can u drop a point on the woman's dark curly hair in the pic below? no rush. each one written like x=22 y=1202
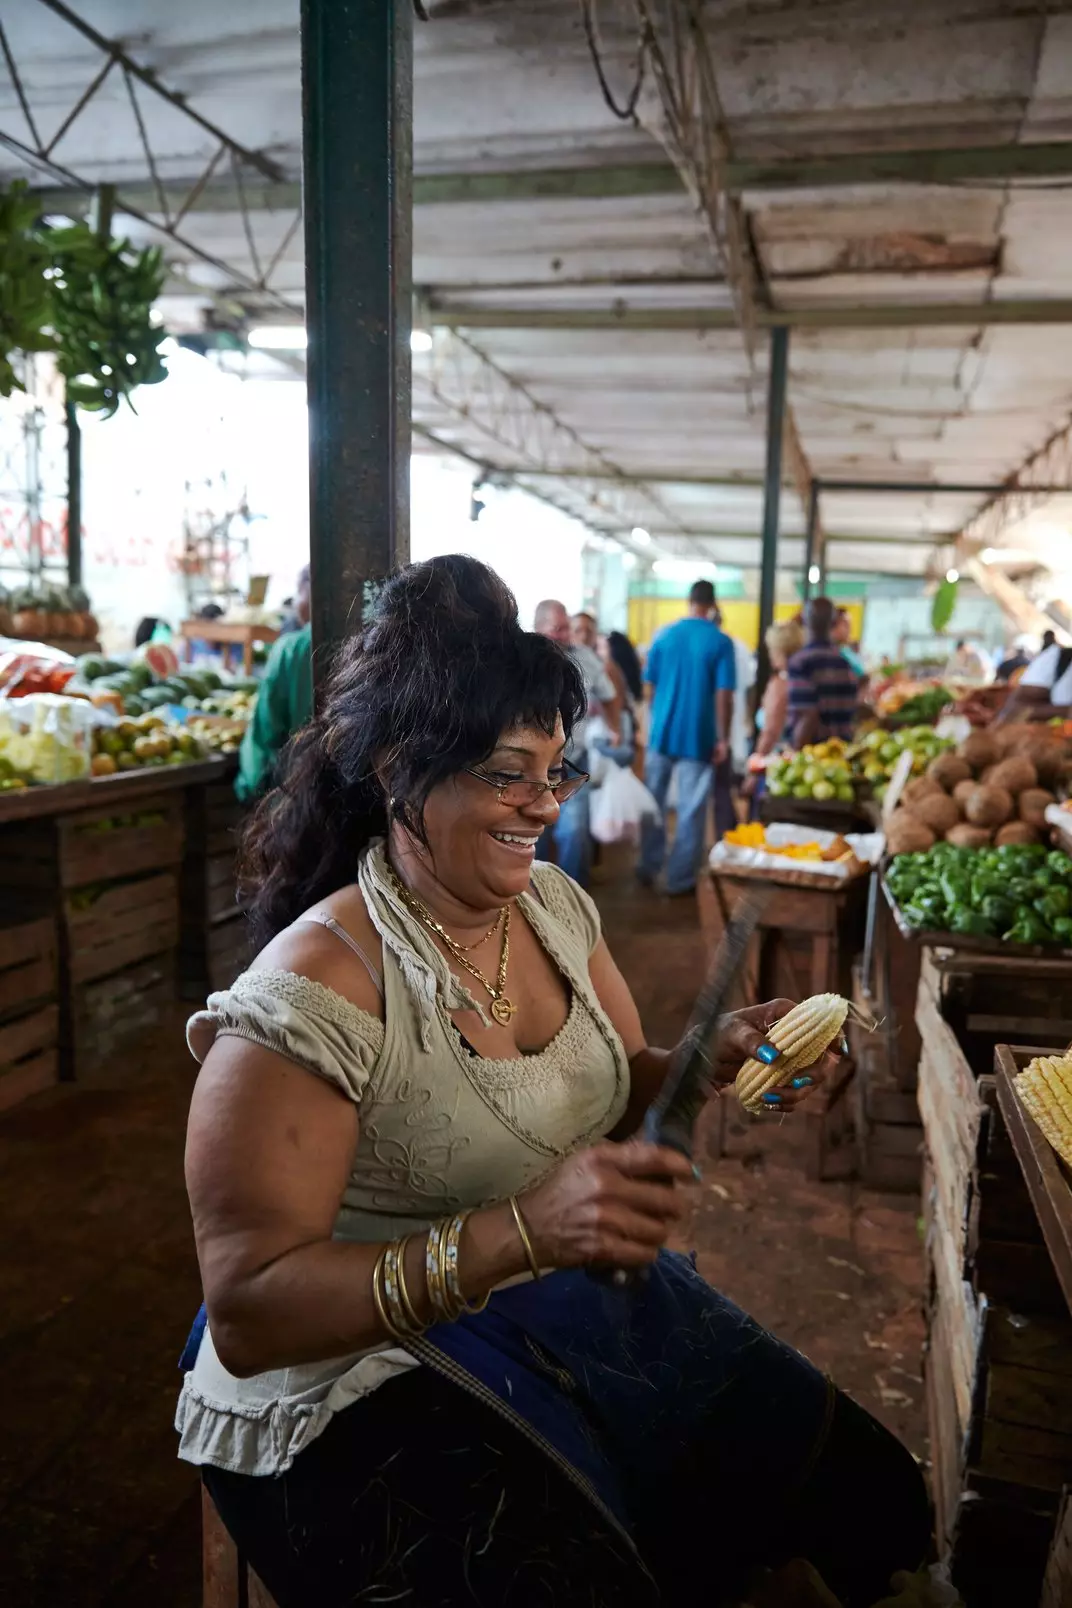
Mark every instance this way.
x=426 y=689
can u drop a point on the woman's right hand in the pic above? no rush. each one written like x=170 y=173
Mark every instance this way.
x=612 y=1205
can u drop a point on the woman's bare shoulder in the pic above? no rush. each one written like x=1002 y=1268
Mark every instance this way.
x=309 y=948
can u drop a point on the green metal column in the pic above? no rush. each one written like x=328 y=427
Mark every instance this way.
x=74 y=496
x=772 y=494
x=357 y=96
x=813 y=531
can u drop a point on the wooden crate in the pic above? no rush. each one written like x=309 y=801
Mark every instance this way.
x=806 y=936
x=209 y=894
x=29 y=1016
x=889 y=1132
x=125 y=923
x=101 y=845
x=1057 y=1584
x=214 y=957
x=213 y=818
x=109 y=1014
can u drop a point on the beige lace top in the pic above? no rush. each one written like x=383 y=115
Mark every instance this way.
x=440 y=1129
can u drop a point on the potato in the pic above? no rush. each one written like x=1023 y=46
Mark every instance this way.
x=989 y=806
x=966 y=836
x=948 y=770
x=907 y=835
x=1015 y=775
x=1016 y=832
x=938 y=811
x=1032 y=805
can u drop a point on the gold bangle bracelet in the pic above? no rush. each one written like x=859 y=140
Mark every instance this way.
x=526 y=1242
x=393 y=1296
x=433 y=1272
x=407 y=1305
x=381 y=1309
x=451 y=1270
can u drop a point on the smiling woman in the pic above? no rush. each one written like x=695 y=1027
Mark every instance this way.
x=413 y=1138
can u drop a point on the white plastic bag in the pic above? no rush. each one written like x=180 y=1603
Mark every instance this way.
x=619 y=806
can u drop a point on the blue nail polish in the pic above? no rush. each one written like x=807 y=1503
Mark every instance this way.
x=767 y=1053
x=801 y=1083
x=696 y=1173
x=772 y=1099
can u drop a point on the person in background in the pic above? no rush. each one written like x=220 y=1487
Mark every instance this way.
x=284 y=701
x=145 y=628
x=691 y=673
x=586 y=635
x=966 y=663
x=784 y=639
x=1009 y=667
x=570 y=834
x=741 y=734
x=841 y=636
x=627 y=659
x=1044 y=690
x=823 y=688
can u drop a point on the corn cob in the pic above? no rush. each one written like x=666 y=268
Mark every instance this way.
x=802 y=1035
x=1045 y=1090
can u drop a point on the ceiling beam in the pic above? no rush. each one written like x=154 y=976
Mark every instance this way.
x=950 y=166
x=616 y=180
x=1044 y=310
x=934 y=539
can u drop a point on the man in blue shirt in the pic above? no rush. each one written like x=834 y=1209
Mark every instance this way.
x=691 y=674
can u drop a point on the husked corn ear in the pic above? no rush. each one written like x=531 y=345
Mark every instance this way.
x=802 y=1035
x=1045 y=1090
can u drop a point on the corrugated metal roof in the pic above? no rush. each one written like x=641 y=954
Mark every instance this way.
x=509 y=86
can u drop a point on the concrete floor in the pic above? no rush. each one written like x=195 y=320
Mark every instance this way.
x=98 y=1284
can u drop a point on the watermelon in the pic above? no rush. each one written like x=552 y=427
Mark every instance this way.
x=90 y=666
x=160 y=659
x=211 y=678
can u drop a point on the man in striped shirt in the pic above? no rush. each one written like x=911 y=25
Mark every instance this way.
x=823 y=688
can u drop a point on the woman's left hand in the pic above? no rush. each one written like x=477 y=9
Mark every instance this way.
x=742 y=1033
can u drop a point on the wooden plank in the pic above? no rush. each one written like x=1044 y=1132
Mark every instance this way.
x=21 y=986
x=38 y=1031
x=30 y=1077
x=1024 y=1455
x=27 y=940
x=1057 y=1583
x=1032 y=1397
x=117 y=792
x=1015 y=1026
x=1046 y=1180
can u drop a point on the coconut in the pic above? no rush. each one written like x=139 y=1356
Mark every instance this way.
x=1016 y=832
x=962 y=791
x=1006 y=738
x=1015 y=775
x=979 y=750
x=907 y=835
x=949 y=769
x=988 y=806
x=966 y=836
x=1032 y=805
x=938 y=811
x=919 y=788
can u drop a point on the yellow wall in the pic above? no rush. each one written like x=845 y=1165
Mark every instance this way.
x=648 y=616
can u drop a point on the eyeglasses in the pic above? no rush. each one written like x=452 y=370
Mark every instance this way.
x=518 y=792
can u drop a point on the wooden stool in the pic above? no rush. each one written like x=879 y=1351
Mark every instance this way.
x=227 y=1581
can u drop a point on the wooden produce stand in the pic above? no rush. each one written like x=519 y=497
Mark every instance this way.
x=229 y=636
x=804 y=944
x=215 y=944
x=885 y=1045
x=98 y=866
x=997 y=1318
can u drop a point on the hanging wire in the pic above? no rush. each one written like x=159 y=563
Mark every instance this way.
x=626 y=113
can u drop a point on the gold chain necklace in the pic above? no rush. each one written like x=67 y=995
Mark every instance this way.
x=502 y=1009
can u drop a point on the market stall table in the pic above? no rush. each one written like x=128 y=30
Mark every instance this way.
x=227 y=635
x=105 y=873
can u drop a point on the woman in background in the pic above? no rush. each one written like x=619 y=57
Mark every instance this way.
x=783 y=639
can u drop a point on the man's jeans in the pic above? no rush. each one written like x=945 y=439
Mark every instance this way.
x=571 y=835
x=694 y=780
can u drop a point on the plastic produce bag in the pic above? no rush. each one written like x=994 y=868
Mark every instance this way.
x=619 y=806
x=46 y=738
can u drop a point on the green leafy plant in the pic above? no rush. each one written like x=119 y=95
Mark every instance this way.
x=945 y=601
x=25 y=292
x=102 y=295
